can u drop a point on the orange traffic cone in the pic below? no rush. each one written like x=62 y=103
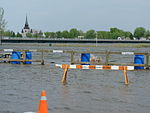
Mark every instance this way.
x=43 y=107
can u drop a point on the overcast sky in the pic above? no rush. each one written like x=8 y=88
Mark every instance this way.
x=55 y=15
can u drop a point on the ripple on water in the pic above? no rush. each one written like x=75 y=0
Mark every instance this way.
x=87 y=91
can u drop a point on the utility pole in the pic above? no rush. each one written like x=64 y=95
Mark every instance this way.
x=96 y=38
x=0 y=37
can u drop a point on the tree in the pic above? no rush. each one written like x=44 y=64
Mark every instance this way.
x=81 y=34
x=139 y=32
x=103 y=34
x=74 y=33
x=115 y=33
x=65 y=34
x=47 y=34
x=13 y=34
x=52 y=35
x=147 y=34
x=2 y=20
x=58 y=34
x=128 y=34
x=35 y=35
x=29 y=35
x=7 y=33
x=18 y=35
x=90 y=34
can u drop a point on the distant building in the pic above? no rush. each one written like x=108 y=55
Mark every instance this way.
x=80 y=37
x=27 y=29
x=119 y=38
x=143 y=38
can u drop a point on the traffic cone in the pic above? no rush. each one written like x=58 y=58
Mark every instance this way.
x=43 y=107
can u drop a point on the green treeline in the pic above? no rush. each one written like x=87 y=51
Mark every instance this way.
x=114 y=33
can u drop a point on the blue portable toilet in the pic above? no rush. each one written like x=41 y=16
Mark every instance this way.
x=85 y=57
x=139 y=59
x=15 y=55
x=28 y=57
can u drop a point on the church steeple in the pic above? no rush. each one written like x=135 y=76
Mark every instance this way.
x=26 y=24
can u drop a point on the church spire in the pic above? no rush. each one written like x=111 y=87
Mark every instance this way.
x=26 y=24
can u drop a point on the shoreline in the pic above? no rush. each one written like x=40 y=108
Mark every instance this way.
x=104 y=45
x=117 y=45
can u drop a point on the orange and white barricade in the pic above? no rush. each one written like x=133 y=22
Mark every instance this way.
x=100 y=67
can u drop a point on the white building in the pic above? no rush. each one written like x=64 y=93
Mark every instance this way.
x=27 y=29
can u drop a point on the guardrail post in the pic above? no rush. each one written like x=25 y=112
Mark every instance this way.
x=107 y=58
x=42 y=57
x=72 y=57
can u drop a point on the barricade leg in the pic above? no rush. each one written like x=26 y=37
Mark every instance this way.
x=63 y=80
x=125 y=76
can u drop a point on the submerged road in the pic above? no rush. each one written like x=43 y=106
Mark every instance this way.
x=56 y=40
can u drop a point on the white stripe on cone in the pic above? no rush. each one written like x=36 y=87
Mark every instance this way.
x=43 y=98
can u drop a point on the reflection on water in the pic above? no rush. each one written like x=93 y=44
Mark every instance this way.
x=87 y=91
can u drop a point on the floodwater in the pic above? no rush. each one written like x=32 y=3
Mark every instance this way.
x=87 y=91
